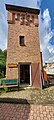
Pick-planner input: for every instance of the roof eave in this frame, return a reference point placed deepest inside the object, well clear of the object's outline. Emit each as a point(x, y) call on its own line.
point(22, 9)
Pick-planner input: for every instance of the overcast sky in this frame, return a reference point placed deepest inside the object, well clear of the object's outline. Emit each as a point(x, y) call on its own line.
point(46, 25)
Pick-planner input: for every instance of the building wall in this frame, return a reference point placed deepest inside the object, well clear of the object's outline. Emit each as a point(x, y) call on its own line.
point(19, 26)
point(49, 67)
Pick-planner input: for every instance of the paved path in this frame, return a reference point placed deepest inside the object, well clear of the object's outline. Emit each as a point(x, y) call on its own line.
point(13, 111)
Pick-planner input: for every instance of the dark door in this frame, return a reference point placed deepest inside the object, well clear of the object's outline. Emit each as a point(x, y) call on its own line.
point(24, 74)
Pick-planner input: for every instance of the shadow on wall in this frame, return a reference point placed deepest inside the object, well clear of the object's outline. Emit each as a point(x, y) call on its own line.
point(14, 109)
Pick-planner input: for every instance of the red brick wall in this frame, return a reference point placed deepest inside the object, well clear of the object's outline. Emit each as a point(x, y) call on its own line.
point(16, 53)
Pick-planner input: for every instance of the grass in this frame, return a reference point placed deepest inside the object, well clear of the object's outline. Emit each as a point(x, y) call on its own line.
point(8, 90)
point(2, 91)
point(5, 90)
point(1, 77)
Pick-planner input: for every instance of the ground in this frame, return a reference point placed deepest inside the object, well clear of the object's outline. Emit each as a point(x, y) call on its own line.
point(26, 112)
point(32, 95)
point(27, 104)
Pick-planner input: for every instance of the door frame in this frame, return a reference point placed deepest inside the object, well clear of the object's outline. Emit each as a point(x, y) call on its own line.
point(19, 72)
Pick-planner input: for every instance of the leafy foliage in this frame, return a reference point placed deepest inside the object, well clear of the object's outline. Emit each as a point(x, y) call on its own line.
point(3, 55)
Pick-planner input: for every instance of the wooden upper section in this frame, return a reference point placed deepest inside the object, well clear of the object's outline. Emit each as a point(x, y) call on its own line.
point(22, 9)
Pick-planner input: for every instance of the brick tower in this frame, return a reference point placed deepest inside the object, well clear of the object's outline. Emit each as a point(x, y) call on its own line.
point(23, 50)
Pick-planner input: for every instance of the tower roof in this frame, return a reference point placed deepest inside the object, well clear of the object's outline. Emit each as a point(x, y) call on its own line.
point(22, 9)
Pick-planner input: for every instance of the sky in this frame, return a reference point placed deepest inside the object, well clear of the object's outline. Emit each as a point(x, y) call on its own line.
point(46, 25)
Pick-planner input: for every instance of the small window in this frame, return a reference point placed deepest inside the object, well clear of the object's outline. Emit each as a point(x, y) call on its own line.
point(21, 40)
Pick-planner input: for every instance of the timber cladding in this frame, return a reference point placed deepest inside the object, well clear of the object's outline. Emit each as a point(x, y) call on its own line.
point(22, 22)
point(36, 75)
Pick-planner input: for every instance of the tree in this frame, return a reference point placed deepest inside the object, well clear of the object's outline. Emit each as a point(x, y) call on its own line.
point(3, 55)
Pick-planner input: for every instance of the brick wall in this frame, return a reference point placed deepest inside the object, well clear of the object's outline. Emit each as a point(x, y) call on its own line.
point(16, 53)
